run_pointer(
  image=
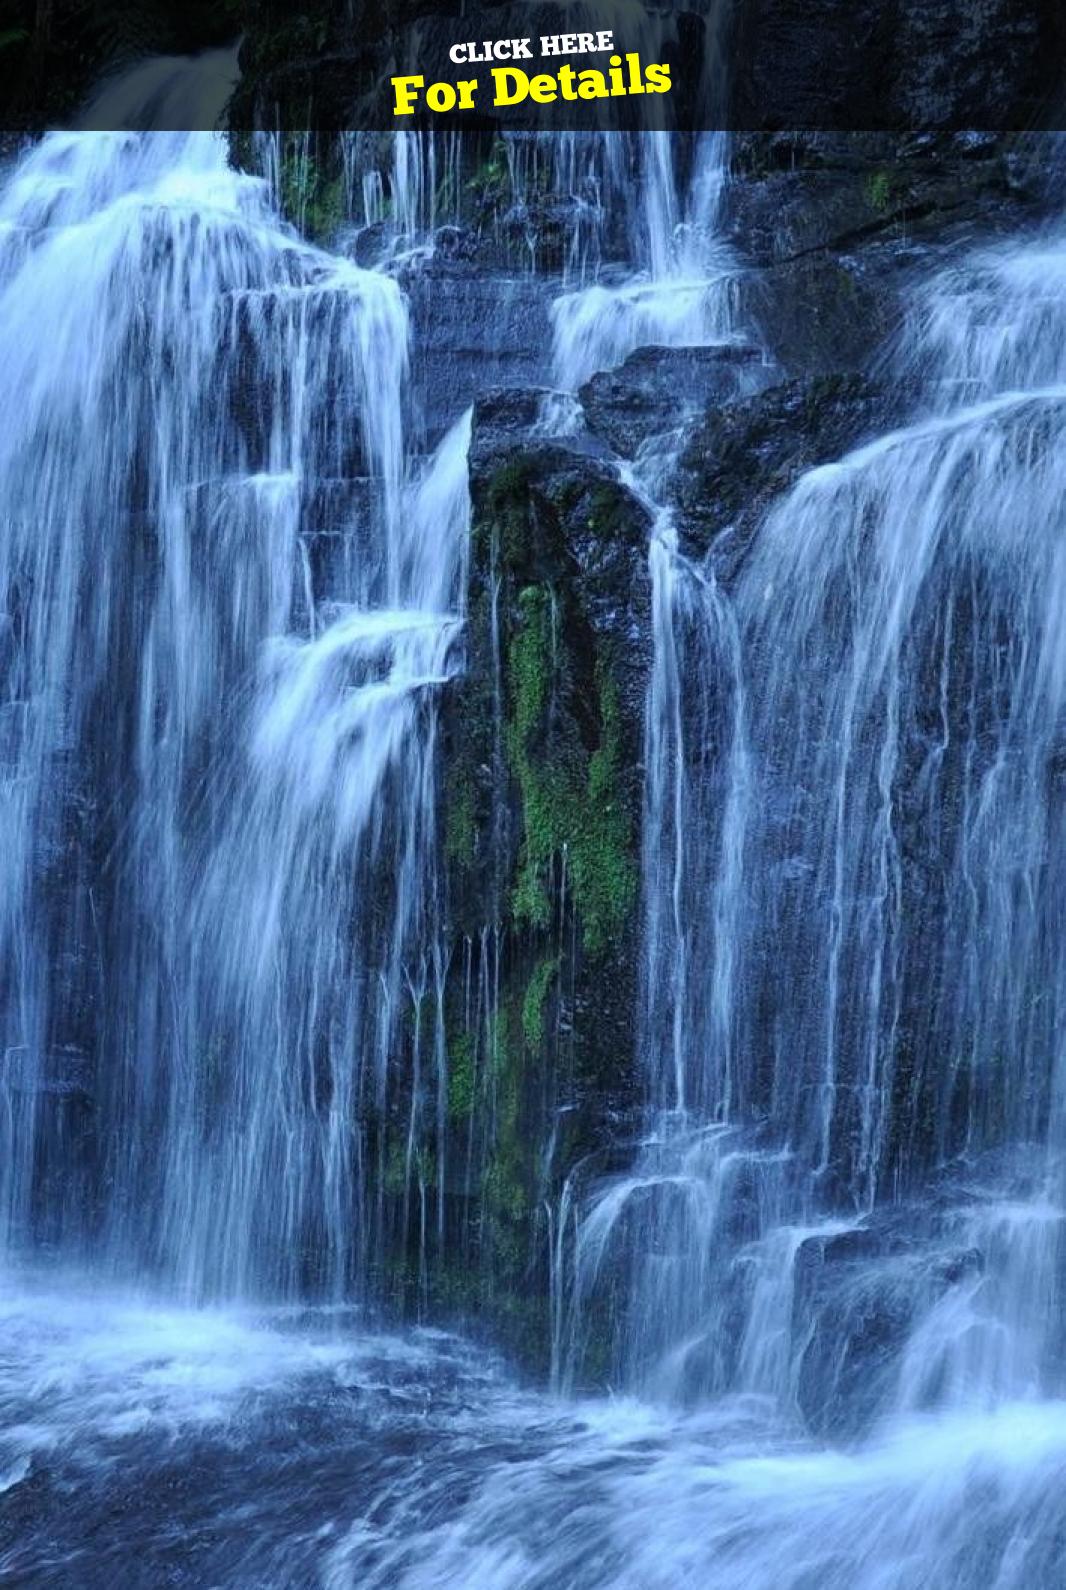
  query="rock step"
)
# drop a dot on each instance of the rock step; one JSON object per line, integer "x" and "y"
{"x": 649, "y": 394}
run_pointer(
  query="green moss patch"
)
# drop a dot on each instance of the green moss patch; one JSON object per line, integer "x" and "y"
{"x": 573, "y": 812}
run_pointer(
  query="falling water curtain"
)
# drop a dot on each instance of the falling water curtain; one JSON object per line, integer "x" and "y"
{"x": 531, "y": 817}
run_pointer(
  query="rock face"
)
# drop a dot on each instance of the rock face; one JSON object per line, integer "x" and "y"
{"x": 917, "y": 63}
{"x": 473, "y": 331}
{"x": 542, "y": 819}
{"x": 837, "y": 227}
{"x": 650, "y": 393}
{"x": 863, "y": 1289}
{"x": 551, "y": 515}
{"x": 745, "y": 454}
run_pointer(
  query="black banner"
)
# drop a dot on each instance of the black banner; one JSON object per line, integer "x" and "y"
{"x": 386, "y": 65}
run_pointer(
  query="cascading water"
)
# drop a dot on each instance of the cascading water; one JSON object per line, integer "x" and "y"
{"x": 678, "y": 296}
{"x": 208, "y": 457}
{"x": 885, "y": 676}
{"x": 829, "y": 1288}
{"x": 850, "y": 1204}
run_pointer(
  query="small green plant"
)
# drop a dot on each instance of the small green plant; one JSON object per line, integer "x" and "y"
{"x": 312, "y": 200}
{"x": 461, "y": 1085}
{"x": 460, "y": 826}
{"x": 536, "y": 998}
{"x": 879, "y": 190}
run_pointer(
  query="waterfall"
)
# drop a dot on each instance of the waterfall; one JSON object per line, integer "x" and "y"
{"x": 854, "y": 889}
{"x": 677, "y": 296}
{"x": 228, "y": 616}
{"x": 821, "y": 1278}
{"x": 165, "y": 92}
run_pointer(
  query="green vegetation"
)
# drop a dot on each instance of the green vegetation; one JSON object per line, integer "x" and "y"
{"x": 491, "y": 181}
{"x": 312, "y": 201}
{"x": 504, "y": 1184}
{"x": 506, "y": 516}
{"x": 879, "y": 190}
{"x": 602, "y": 867}
{"x": 607, "y": 514}
{"x": 572, "y": 808}
{"x": 535, "y": 999}
{"x": 460, "y": 830}
{"x": 461, "y": 1083}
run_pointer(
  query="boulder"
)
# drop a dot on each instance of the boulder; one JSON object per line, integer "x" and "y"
{"x": 743, "y": 456}
{"x": 651, "y": 392}
{"x": 542, "y": 747}
{"x": 858, "y": 1296}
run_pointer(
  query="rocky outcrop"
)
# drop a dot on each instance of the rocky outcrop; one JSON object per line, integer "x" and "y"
{"x": 542, "y": 818}
{"x": 744, "y": 455}
{"x": 839, "y": 225}
{"x": 472, "y": 332}
{"x": 653, "y": 390}
{"x": 552, "y": 514}
{"x": 858, "y": 1294}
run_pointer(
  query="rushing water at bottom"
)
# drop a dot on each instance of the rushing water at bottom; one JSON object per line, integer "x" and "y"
{"x": 146, "y": 1445}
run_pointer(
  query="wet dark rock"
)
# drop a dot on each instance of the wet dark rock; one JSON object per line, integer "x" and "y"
{"x": 840, "y": 226}
{"x": 455, "y": 243}
{"x": 858, "y": 1295}
{"x": 580, "y": 526}
{"x": 744, "y": 455}
{"x": 549, "y": 515}
{"x": 538, "y": 228}
{"x": 505, "y": 418}
{"x": 917, "y": 63}
{"x": 837, "y": 191}
{"x": 821, "y": 314}
{"x": 368, "y": 245}
{"x": 542, "y": 740}
{"x": 651, "y": 392}
{"x": 473, "y": 331}
{"x": 338, "y": 551}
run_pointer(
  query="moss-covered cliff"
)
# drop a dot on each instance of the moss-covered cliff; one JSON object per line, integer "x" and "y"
{"x": 542, "y": 820}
